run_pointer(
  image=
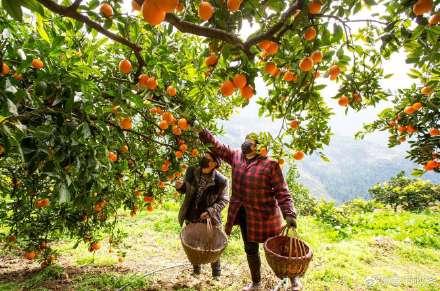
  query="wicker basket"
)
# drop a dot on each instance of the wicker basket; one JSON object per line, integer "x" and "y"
{"x": 203, "y": 243}
{"x": 288, "y": 257}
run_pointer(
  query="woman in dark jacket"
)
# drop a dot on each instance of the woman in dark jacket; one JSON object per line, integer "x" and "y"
{"x": 206, "y": 196}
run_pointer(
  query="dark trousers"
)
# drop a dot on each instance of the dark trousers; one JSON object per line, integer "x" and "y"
{"x": 215, "y": 267}
{"x": 251, "y": 248}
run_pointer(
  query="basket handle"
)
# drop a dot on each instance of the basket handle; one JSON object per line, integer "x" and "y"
{"x": 297, "y": 245}
{"x": 209, "y": 224}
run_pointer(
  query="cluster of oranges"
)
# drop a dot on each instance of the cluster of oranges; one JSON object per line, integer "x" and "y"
{"x": 36, "y": 64}
{"x": 239, "y": 81}
{"x": 41, "y": 203}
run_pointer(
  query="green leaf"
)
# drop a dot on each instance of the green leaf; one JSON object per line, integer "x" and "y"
{"x": 32, "y": 5}
{"x": 40, "y": 28}
{"x": 417, "y": 172}
{"x": 13, "y": 8}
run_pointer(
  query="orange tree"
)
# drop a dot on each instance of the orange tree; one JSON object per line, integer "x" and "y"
{"x": 99, "y": 107}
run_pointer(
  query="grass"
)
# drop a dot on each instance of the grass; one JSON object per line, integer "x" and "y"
{"x": 383, "y": 251}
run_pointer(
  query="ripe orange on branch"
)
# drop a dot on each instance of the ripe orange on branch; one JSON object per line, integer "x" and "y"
{"x": 247, "y": 92}
{"x": 112, "y": 156}
{"x": 294, "y": 124}
{"x": 206, "y": 10}
{"x": 427, "y": 90}
{"x": 289, "y": 76}
{"x": 239, "y": 80}
{"x": 153, "y": 14}
{"x": 417, "y": 106}
{"x": 310, "y": 33}
{"x": 163, "y": 124}
{"x": 171, "y": 91}
{"x": 123, "y": 149}
{"x": 234, "y": 5}
{"x": 37, "y": 64}
{"x": 227, "y": 88}
{"x": 343, "y": 101}
{"x": 314, "y": 7}
{"x": 316, "y": 56}
{"x": 422, "y": 6}
{"x": 151, "y": 83}
{"x": 434, "y": 132}
{"x": 271, "y": 69}
{"x": 5, "y": 69}
{"x": 182, "y": 123}
{"x": 409, "y": 110}
{"x": 299, "y": 155}
{"x": 431, "y": 165}
{"x": 95, "y": 246}
{"x": 40, "y": 203}
{"x": 106, "y": 10}
{"x": 126, "y": 123}
{"x": 30, "y": 255}
{"x": 434, "y": 19}
{"x": 306, "y": 64}
{"x": 125, "y": 66}
{"x": 143, "y": 80}
{"x": 211, "y": 60}
{"x": 334, "y": 72}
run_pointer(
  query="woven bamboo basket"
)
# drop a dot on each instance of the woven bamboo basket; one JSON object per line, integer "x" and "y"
{"x": 203, "y": 243}
{"x": 288, "y": 257}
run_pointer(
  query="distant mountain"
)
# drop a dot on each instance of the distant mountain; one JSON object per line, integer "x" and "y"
{"x": 353, "y": 168}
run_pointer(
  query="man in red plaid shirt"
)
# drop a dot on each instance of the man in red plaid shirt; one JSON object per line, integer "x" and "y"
{"x": 259, "y": 200}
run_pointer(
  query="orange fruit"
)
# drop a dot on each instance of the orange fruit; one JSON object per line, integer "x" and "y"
{"x": 409, "y": 110}
{"x": 299, "y": 155}
{"x": 417, "y": 106}
{"x": 206, "y": 10}
{"x": 5, "y": 69}
{"x": 434, "y": 132}
{"x": 37, "y": 64}
{"x": 401, "y": 128}
{"x": 168, "y": 116}
{"x": 272, "y": 48}
{"x": 310, "y": 33}
{"x": 357, "y": 97}
{"x": 143, "y": 80}
{"x": 176, "y": 130}
{"x": 123, "y": 149}
{"x": 182, "y": 123}
{"x": 233, "y": 5}
{"x": 263, "y": 152}
{"x": 194, "y": 153}
{"x": 125, "y": 66}
{"x": 271, "y": 69}
{"x": 422, "y": 6}
{"x": 434, "y": 19}
{"x": 149, "y": 199}
{"x": 410, "y": 129}
{"x": 343, "y": 100}
{"x": 211, "y": 60}
{"x": 239, "y": 81}
{"x": 17, "y": 76}
{"x": 294, "y": 124}
{"x": 135, "y": 6}
{"x": 167, "y": 5}
{"x": 264, "y": 44}
{"x": 150, "y": 208}
{"x": 126, "y": 123}
{"x": 289, "y": 76}
{"x": 165, "y": 167}
{"x": 427, "y": 90}
{"x": 247, "y": 92}
{"x": 334, "y": 72}
{"x": 314, "y": 7}
{"x": 152, "y": 83}
{"x": 281, "y": 162}
{"x": 152, "y": 14}
{"x": 112, "y": 156}
{"x": 40, "y": 203}
{"x": 306, "y": 64}
{"x": 179, "y": 154}
{"x": 106, "y": 10}
{"x": 227, "y": 88}
{"x": 431, "y": 165}
{"x": 183, "y": 147}
{"x": 163, "y": 124}
{"x": 30, "y": 255}
{"x": 171, "y": 91}
{"x": 316, "y": 56}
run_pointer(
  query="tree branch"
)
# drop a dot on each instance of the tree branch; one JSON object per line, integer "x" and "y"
{"x": 269, "y": 34}
{"x": 74, "y": 14}
{"x": 75, "y": 4}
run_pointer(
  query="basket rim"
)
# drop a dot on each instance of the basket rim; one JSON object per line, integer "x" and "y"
{"x": 309, "y": 254}
{"x": 201, "y": 250}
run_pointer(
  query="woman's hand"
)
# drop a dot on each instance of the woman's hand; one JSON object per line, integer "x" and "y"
{"x": 204, "y": 215}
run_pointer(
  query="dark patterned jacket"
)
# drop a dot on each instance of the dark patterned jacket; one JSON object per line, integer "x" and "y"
{"x": 215, "y": 194}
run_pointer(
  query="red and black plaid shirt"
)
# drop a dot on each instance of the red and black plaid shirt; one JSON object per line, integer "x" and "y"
{"x": 259, "y": 187}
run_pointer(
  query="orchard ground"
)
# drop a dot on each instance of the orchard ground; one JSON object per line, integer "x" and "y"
{"x": 384, "y": 252}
